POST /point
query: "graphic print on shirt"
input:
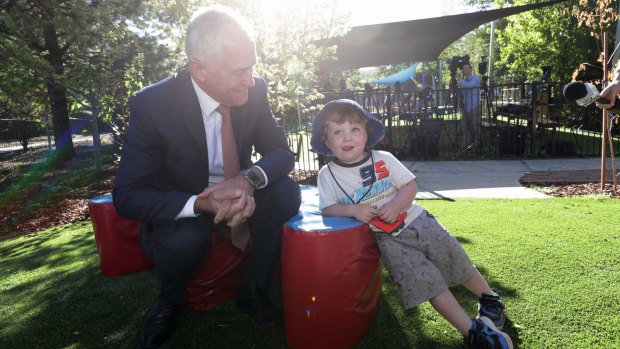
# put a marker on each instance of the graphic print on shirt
(377, 176)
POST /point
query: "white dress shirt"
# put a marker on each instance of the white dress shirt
(213, 126)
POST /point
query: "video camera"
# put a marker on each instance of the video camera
(457, 62)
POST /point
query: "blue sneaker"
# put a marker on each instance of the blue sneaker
(484, 335)
(493, 308)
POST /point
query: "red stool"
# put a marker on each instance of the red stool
(117, 238)
(331, 278)
(118, 245)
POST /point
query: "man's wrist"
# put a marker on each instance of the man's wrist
(254, 176)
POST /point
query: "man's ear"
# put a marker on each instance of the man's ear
(197, 70)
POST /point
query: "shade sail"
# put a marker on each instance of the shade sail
(402, 76)
(409, 41)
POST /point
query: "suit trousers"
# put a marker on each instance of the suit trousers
(177, 248)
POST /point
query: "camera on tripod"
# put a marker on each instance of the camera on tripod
(457, 62)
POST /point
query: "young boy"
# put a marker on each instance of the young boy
(421, 256)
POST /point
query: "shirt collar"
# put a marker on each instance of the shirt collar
(207, 103)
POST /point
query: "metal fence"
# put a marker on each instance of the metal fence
(529, 120)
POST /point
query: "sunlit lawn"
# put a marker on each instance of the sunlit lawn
(556, 262)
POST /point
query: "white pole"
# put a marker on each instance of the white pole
(491, 40)
(615, 57)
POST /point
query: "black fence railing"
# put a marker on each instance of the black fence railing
(528, 120)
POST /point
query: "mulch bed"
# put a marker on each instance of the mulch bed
(572, 183)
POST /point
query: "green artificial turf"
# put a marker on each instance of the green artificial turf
(556, 263)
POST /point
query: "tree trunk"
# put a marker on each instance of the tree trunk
(96, 140)
(60, 119)
(57, 95)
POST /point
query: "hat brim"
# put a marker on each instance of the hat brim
(318, 124)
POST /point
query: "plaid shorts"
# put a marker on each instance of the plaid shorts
(424, 260)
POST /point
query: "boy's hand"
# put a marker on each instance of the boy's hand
(364, 213)
(388, 213)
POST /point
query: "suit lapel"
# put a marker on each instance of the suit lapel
(189, 110)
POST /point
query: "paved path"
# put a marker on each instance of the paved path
(489, 178)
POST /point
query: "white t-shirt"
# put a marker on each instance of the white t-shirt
(375, 182)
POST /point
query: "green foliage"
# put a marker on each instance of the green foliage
(114, 104)
(76, 51)
(20, 130)
(287, 57)
(21, 117)
(544, 37)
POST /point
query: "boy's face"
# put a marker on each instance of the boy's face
(346, 140)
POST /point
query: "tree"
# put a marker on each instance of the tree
(287, 57)
(559, 36)
(21, 119)
(58, 41)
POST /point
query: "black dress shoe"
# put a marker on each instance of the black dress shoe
(261, 310)
(158, 324)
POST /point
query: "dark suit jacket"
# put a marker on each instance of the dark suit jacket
(164, 156)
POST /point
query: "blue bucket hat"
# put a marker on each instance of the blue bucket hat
(376, 129)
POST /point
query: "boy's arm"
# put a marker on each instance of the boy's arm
(363, 213)
(403, 198)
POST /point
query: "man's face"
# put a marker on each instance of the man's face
(467, 69)
(228, 76)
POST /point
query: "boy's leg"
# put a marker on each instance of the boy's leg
(489, 302)
(445, 252)
(448, 307)
(478, 285)
(480, 333)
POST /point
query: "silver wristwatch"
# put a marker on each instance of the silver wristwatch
(253, 178)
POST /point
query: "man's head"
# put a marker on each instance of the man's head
(221, 54)
(344, 112)
(467, 69)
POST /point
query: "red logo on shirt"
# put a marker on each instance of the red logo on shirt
(381, 170)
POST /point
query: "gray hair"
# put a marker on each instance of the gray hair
(206, 29)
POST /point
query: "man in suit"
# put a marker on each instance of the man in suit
(171, 176)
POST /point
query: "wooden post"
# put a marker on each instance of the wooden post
(605, 115)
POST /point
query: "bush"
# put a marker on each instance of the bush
(20, 130)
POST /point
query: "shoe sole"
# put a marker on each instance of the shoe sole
(492, 326)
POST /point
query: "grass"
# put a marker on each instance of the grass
(554, 261)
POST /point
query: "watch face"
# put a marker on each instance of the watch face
(253, 178)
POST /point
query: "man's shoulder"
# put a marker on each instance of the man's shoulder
(171, 83)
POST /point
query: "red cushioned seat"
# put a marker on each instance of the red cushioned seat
(117, 238)
(331, 278)
(118, 245)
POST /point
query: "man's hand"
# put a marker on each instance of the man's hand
(610, 93)
(231, 201)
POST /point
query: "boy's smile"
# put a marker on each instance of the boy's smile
(347, 140)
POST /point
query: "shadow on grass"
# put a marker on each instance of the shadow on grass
(73, 306)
